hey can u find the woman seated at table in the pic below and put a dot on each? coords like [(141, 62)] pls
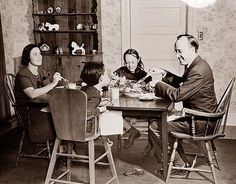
[(133, 70), (32, 82)]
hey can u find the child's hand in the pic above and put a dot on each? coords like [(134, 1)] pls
[(102, 109)]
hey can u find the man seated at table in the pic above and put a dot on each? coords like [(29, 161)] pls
[(195, 89)]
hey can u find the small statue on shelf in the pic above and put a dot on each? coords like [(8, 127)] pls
[(44, 47), (58, 50), (41, 27), (51, 27), (76, 48)]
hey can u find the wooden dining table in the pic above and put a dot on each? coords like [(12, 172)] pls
[(151, 109)]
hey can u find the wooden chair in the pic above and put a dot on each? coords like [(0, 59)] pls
[(9, 84), (69, 112), (220, 119)]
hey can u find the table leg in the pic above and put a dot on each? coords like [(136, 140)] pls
[(164, 139)]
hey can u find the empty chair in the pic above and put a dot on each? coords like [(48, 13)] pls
[(219, 117), (9, 84), (69, 112)]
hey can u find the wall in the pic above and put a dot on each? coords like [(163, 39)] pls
[(217, 22), (218, 47), (17, 28)]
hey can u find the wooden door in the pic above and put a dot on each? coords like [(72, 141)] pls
[(154, 25)]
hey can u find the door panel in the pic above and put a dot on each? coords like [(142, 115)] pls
[(154, 27)]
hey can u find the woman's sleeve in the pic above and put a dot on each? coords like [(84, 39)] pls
[(24, 82)]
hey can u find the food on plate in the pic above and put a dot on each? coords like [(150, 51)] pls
[(132, 94), (146, 96), (127, 89)]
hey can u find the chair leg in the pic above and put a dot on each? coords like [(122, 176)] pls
[(48, 149), (69, 162), (107, 145), (52, 161), (172, 157), (20, 147), (119, 143), (91, 162), (210, 161), (215, 154)]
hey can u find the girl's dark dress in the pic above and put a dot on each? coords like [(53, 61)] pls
[(137, 75)]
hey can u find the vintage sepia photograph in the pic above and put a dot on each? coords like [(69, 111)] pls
[(117, 91)]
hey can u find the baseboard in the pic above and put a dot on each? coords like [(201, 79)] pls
[(230, 132)]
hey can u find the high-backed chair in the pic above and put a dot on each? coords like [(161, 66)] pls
[(69, 112), (9, 84), (219, 117)]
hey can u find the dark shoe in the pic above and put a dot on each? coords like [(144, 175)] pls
[(178, 173), (134, 172), (133, 135), (147, 149)]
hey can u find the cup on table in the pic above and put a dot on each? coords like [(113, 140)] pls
[(115, 93), (72, 85)]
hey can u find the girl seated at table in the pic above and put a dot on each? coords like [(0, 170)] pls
[(133, 69)]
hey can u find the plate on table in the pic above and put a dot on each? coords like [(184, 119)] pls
[(146, 96), (132, 94)]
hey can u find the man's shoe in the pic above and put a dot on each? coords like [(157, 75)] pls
[(179, 172), (133, 135)]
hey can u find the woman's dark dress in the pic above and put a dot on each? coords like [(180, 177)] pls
[(41, 128)]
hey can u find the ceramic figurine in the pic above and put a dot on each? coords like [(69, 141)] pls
[(41, 27), (75, 48), (51, 27), (44, 48)]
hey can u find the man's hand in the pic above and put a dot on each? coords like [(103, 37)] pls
[(156, 71)]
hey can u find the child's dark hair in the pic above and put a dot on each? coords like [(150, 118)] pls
[(134, 53), (92, 72)]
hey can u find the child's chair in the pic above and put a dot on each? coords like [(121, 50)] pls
[(69, 112)]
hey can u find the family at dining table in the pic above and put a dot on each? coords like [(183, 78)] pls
[(195, 89)]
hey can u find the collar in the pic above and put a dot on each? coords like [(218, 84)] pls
[(188, 65)]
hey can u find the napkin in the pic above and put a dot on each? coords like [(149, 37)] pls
[(111, 122)]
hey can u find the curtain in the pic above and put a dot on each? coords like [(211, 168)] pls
[(4, 102)]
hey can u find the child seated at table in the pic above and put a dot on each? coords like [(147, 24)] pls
[(93, 75), (133, 69)]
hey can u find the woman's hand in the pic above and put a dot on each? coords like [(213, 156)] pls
[(56, 78)]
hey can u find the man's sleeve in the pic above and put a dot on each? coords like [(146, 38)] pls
[(189, 87), (172, 79)]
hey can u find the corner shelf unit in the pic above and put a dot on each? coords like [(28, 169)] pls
[(73, 12)]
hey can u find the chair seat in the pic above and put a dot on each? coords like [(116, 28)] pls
[(195, 138)]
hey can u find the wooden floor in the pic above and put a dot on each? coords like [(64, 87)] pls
[(33, 171)]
